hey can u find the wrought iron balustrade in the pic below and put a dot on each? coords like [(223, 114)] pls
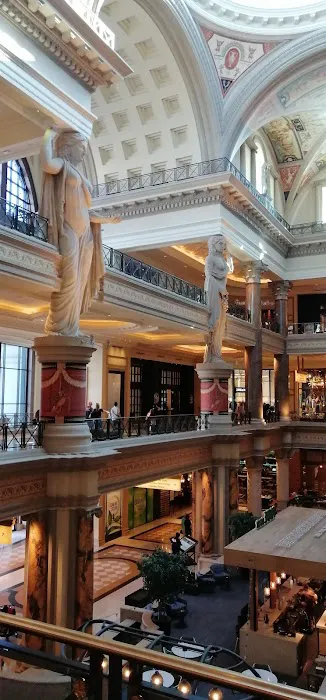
[(20, 435), (238, 312), (312, 227), (121, 262), (308, 327), (185, 172), (145, 425), (23, 220)]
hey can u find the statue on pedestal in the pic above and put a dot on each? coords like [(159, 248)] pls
[(216, 272), (66, 199)]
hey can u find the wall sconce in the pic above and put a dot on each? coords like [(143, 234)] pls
[(283, 576), (278, 580), (267, 591), (157, 679), (184, 687), (273, 585), (105, 665)]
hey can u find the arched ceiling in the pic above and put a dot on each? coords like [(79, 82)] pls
[(146, 122), (264, 18)]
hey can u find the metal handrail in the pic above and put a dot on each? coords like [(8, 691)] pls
[(186, 172), (23, 220), (309, 227), (120, 650), (122, 262)]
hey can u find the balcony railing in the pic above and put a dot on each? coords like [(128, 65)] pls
[(121, 262), (308, 327), (23, 220), (185, 172), (309, 228), (145, 425), (101, 675)]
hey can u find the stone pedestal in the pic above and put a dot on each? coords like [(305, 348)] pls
[(63, 391), (214, 401)]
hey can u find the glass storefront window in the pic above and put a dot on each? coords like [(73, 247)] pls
[(268, 387), (14, 384)]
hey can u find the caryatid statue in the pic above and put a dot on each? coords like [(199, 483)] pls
[(217, 266), (66, 200)]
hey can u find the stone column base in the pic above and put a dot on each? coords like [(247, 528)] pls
[(63, 391), (214, 399)]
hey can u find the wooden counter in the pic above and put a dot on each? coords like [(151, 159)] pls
[(283, 654)]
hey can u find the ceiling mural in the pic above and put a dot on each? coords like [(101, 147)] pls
[(232, 57), (292, 139)]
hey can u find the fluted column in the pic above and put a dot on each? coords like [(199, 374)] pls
[(253, 354), (281, 360)]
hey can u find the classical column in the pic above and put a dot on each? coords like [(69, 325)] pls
[(63, 391), (254, 467), (197, 507), (281, 361), (282, 481), (253, 355), (225, 489), (207, 519), (36, 570), (233, 490)]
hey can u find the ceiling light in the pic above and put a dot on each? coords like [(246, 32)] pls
[(193, 327), (241, 247), (215, 694), (126, 671)]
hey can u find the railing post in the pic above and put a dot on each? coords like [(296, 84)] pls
[(95, 676), (129, 427), (23, 435), (115, 677), (108, 426), (139, 427)]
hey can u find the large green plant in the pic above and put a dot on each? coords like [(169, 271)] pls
[(240, 524), (164, 575)]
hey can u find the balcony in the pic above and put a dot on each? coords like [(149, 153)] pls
[(306, 338), (182, 173), (23, 220)]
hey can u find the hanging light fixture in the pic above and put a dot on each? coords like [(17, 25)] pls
[(283, 576), (278, 580), (157, 679), (184, 687), (267, 591), (215, 694), (273, 585), (126, 671)]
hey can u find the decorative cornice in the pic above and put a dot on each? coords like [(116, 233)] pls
[(125, 293), (51, 42), (298, 251), (269, 234), (156, 206)]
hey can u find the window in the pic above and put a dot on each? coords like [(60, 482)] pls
[(16, 185), (14, 371)]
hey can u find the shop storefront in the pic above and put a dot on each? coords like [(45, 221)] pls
[(268, 483), (237, 387), (312, 393)]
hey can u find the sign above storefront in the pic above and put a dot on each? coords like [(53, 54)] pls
[(300, 377), (162, 484)]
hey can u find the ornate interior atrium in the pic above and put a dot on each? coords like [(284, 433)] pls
[(162, 349)]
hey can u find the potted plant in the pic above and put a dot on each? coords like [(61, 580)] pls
[(164, 577), (239, 525)]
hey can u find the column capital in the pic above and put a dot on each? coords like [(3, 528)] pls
[(281, 289), (253, 271)]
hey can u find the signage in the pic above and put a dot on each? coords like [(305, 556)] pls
[(300, 377), (162, 484), (268, 516), (6, 534), (187, 544)]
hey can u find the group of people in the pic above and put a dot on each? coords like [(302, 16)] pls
[(185, 530), (94, 417)]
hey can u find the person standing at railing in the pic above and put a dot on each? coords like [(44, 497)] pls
[(97, 415)]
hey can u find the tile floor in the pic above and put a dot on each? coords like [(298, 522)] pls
[(115, 566)]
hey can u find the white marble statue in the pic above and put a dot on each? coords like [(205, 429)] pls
[(217, 266), (66, 199)]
